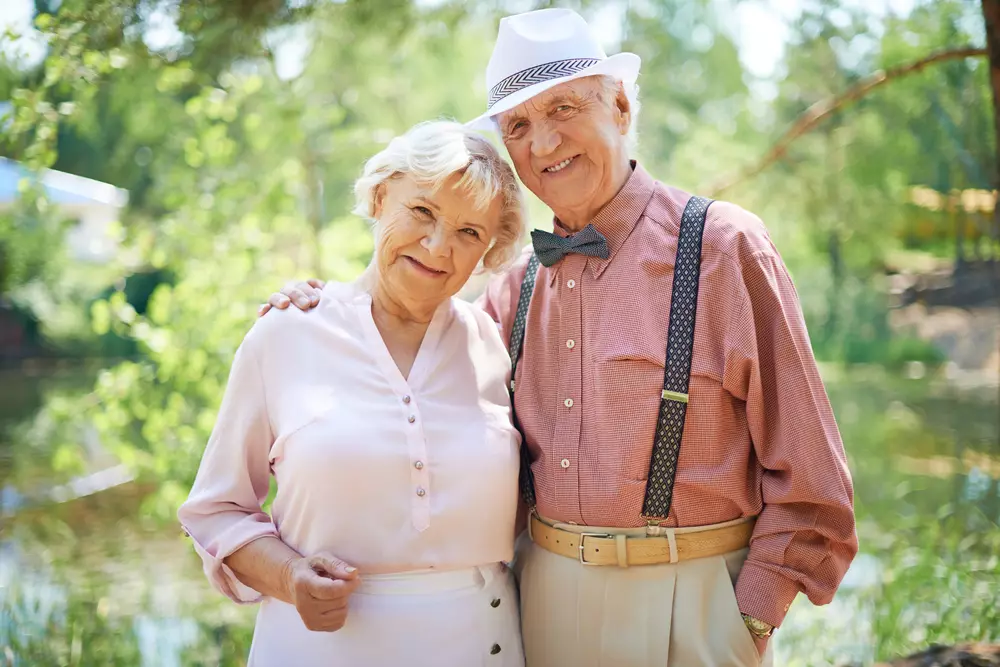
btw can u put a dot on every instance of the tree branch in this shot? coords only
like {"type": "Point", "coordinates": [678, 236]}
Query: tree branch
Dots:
{"type": "Point", "coordinates": [823, 109]}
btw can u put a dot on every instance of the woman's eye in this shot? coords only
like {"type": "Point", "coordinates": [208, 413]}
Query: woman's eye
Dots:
{"type": "Point", "coordinates": [563, 107]}
{"type": "Point", "coordinates": [422, 210]}
{"type": "Point", "coordinates": [471, 232]}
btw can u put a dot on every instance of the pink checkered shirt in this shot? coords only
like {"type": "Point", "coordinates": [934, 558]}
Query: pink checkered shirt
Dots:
{"type": "Point", "coordinates": [760, 436]}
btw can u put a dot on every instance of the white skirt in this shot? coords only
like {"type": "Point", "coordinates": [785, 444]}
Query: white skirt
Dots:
{"type": "Point", "coordinates": [462, 618]}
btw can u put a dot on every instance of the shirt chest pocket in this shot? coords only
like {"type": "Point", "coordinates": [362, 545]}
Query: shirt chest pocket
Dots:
{"type": "Point", "coordinates": [628, 379]}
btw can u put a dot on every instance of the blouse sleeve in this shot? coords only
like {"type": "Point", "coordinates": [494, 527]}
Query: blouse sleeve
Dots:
{"type": "Point", "coordinates": [223, 511]}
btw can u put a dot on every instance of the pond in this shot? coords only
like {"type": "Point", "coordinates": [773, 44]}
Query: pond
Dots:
{"type": "Point", "coordinates": [89, 581]}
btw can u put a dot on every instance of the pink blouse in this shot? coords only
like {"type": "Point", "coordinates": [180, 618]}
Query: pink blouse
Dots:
{"type": "Point", "coordinates": [391, 474]}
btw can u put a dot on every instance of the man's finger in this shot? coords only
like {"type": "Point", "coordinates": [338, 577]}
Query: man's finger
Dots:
{"type": "Point", "coordinates": [299, 298]}
{"type": "Point", "coordinates": [309, 291]}
{"type": "Point", "coordinates": [279, 301]}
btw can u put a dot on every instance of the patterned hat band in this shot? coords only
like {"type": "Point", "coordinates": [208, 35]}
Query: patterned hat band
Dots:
{"type": "Point", "coordinates": [538, 74]}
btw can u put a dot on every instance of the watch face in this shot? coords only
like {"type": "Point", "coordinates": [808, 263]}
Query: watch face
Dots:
{"type": "Point", "coordinates": [757, 626]}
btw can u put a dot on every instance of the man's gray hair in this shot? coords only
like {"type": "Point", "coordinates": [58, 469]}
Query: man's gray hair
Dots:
{"type": "Point", "coordinates": [609, 88]}
{"type": "Point", "coordinates": [610, 84]}
{"type": "Point", "coordinates": [434, 151]}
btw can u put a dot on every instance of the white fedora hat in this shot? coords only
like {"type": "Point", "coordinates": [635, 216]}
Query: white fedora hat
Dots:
{"type": "Point", "coordinates": [541, 49]}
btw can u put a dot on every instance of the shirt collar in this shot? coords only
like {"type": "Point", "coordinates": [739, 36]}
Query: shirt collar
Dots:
{"type": "Point", "coordinates": [617, 219]}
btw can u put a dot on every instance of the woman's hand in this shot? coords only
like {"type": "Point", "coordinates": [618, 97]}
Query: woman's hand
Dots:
{"type": "Point", "coordinates": [319, 586]}
{"type": "Point", "coordinates": [305, 296]}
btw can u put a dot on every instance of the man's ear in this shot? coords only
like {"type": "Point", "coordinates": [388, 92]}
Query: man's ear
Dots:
{"type": "Point", "coordinates": [623, 109]}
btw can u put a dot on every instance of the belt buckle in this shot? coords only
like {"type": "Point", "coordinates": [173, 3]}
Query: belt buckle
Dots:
{"type": "Point", "coordinates": [580, 547]}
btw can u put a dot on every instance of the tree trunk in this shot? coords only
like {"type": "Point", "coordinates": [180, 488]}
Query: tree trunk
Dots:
{"type": "Point", "coordinates": [991, 13]}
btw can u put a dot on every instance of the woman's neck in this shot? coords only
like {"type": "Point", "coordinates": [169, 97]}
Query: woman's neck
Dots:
{"type": "Point", "coordinates": [391, 309]}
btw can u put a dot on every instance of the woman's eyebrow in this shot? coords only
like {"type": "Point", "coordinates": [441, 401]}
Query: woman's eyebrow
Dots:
{"type": "Point", "coordinates": [427, 201]}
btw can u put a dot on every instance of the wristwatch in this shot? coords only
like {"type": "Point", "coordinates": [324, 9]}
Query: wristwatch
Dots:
{"type": "Point", "coordinates": [757, 628]}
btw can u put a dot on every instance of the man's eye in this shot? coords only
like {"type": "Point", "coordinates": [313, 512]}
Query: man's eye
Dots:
{"type": "Point", "coordinates": [563, 107]}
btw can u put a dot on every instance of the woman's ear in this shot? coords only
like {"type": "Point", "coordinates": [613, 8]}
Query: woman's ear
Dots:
{"type": "Point", "coordinates": [378, 199]}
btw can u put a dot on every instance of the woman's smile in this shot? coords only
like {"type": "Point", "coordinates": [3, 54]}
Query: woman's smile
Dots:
{"type": "Point", "coordinates": [422, 268]}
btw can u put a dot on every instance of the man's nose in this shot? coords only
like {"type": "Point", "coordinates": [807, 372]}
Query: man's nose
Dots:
{"type": "Point", "coordinates": [544, 139]}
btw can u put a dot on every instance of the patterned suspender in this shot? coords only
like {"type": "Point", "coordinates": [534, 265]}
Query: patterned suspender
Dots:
{"type": "Point", "coordinates": [526, 479]}
{"type": "Point", "coordinates": [680, 343]}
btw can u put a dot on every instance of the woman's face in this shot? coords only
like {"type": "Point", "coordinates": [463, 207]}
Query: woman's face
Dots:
{"type": "Point", "coordinates": [428, 243]}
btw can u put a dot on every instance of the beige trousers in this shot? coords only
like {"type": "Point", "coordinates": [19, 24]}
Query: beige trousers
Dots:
{"type": "Point", "coordinates": [671, 615]}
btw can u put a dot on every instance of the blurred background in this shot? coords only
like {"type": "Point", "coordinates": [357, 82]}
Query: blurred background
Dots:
{"type": "Point", "coordinates": [169, 163]}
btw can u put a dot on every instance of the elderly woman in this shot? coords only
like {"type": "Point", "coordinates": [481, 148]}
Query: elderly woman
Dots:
{"type": "Point", "coordinates": [385, 420]}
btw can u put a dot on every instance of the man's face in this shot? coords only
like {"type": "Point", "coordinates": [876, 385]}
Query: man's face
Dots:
{"type": "Point", "coordinates": [567, 142]}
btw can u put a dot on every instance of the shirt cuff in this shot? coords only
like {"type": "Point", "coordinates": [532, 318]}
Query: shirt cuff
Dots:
{"type": "Point", "coordinates": [763, 594]}
{"type": "Point", "coordinates": [221, 576]}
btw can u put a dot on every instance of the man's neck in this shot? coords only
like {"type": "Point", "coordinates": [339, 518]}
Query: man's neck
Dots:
{"type": "Point", "coordinates": [578, 217]}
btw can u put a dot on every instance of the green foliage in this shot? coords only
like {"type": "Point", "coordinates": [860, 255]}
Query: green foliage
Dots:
{"type": "Point", "coordinates": [240, 172]}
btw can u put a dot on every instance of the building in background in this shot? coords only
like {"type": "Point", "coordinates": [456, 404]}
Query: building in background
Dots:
{"type": "Point", "coordinates": [91, 206]}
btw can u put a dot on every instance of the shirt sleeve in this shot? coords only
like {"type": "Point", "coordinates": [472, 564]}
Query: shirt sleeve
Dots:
{"type": "Point", "coordinates": [223, 511]}
{"type": "Point", "coordinates": [805, 536]}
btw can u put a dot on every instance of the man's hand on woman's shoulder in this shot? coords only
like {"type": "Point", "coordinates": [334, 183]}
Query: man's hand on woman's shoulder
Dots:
{"type": "Point", "coordinates": [304, 294]}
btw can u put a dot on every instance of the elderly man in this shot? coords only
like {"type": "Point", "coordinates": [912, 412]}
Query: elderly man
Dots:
{"type": "Point", "coordinates": [682, 469]}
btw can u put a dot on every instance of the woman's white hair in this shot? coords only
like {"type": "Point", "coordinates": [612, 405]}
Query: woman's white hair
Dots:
{"type": "Point", "coordinates": [434, 151]}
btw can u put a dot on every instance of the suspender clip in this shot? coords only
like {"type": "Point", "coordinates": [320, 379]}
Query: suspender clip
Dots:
{"type": "Point", "coordinates": [668, 395]}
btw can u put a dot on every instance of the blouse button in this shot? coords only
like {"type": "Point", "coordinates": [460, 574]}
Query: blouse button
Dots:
{"type": "Point", "coordinates": [571, 343]}
{"type": "Point", "coordinates": [571, 284]}
{"type": "Point", "coordinates": [495, 603]}
{"type": "Point", "coordinates": [406, 399]}
{"type": "Point", "coordinates": [419, 465]}
{"type": "Point", "coordinates": [564, 463]}
{"type": "Point", "coordinates": [568, 402]}
{"type": "Point", "coordinates": [495, 649]}
{"type": "Point", "coordinates": [421, 492]}
{"type": "Point", "coordinates": [411, 419]}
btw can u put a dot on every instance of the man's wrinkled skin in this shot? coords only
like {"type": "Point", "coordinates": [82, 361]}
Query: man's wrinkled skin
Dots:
{"type": "Point", "coordinates": [584, 121]}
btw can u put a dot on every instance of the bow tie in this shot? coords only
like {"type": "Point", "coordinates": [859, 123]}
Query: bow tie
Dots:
{"type": "Point", "coordinates": [551, 248]}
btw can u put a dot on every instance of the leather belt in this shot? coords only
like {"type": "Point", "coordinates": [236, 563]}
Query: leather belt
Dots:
{"type": "Point", "coordinates": [595, 548]}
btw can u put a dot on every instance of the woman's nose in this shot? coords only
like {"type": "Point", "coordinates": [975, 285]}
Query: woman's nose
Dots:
{"type": "Point", "coordinates": [436, 242]}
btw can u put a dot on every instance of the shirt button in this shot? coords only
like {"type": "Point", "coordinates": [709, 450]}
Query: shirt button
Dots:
{"type": "Point", "coordinates": [564, 463]}
{"type": "Point", "coordinates": [406, 399]}
{"type": "Point", "coordinates": [568, 402]}
{"type": "Point", "coordinates": [421, 492]}
{"type": "Point", "coordinates": [411, 419]}
{"type": "Point", "coordinates": [419, 465]}
{"type": "Point", "coordinates": [571, 284]}
{"type": "Point", "coordinates": [571, 343]}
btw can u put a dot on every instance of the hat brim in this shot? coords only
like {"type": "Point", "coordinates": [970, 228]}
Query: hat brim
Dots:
{"type": "Point", "coordinates": [623, 66]}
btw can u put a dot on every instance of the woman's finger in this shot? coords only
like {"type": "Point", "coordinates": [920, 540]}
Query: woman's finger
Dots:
{"type": "Point", "coordinates": [332, 566]}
